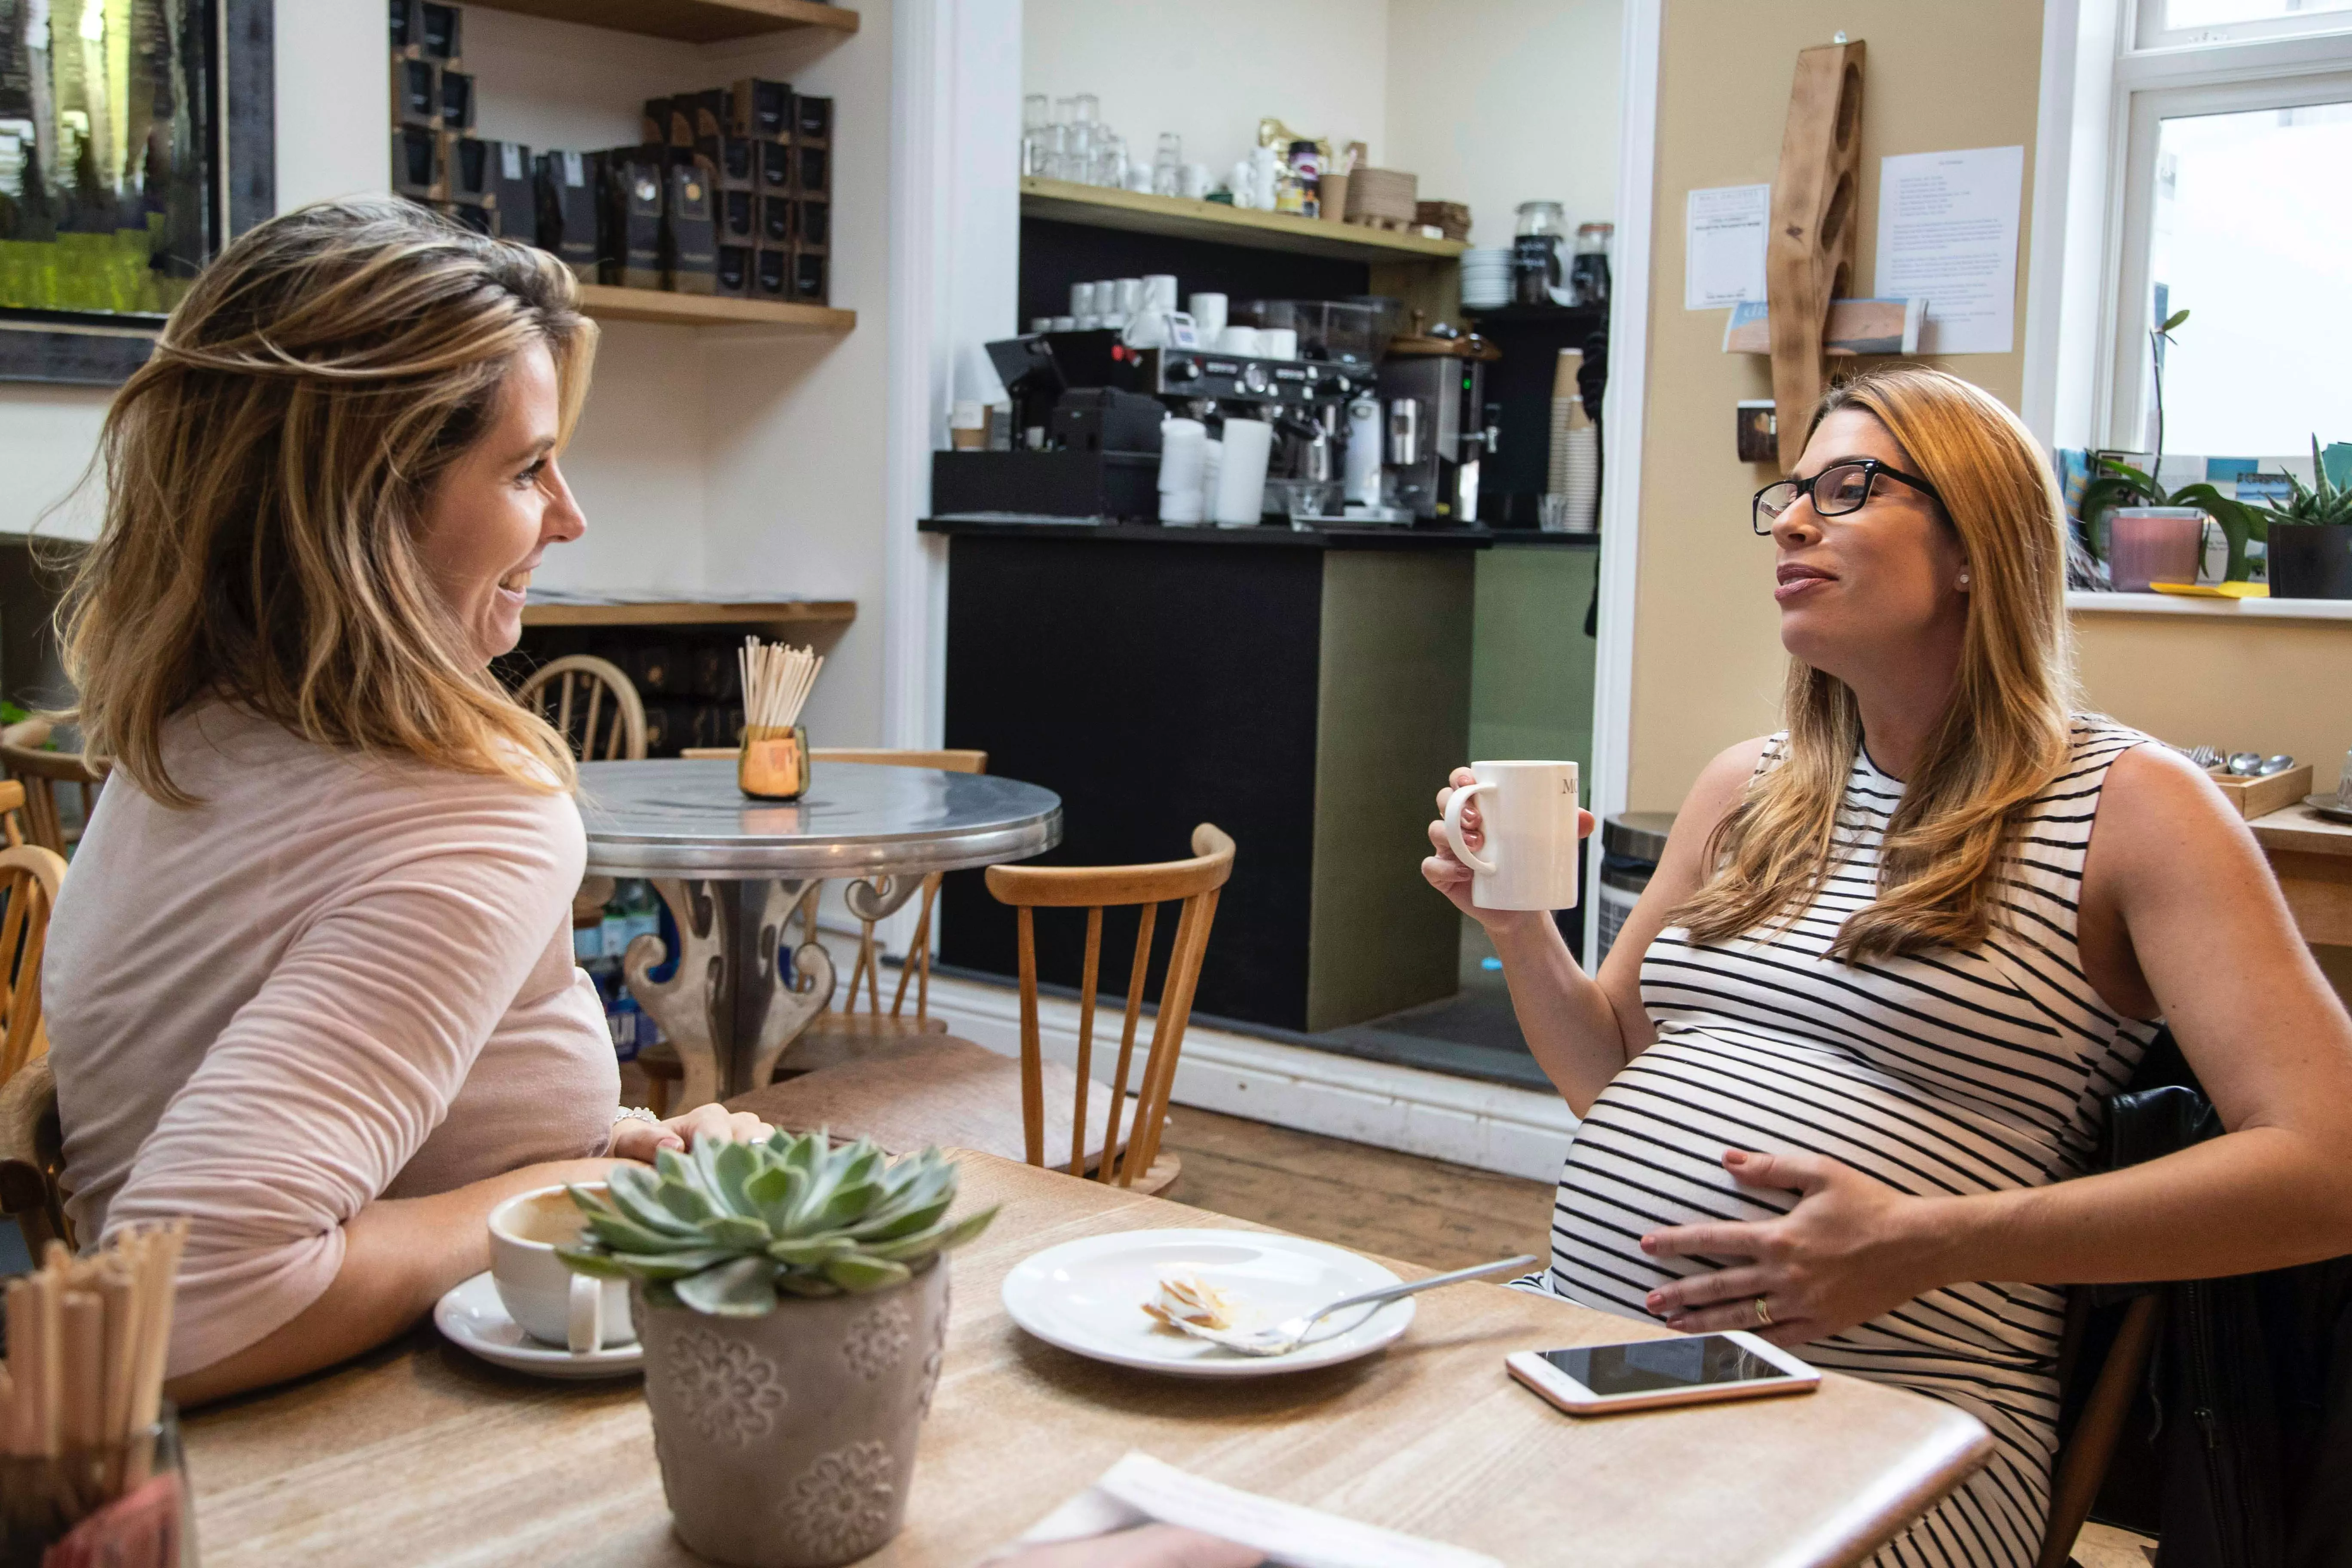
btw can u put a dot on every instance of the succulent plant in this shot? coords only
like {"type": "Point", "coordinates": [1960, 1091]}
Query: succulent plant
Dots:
{"type": "Point", "coordinates": [2325, 502]}
{"type": "Point", "coordinates": [727, 1228]}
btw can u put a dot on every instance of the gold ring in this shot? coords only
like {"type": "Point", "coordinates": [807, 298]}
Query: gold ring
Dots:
{"type": "Point", "coordinates": [1763, 1312]}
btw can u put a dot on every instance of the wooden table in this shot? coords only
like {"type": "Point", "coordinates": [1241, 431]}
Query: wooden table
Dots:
{"type": "Point", "coordinates": [2312, 857]}
{"type": "Point", "coordinates": [421, 1453]}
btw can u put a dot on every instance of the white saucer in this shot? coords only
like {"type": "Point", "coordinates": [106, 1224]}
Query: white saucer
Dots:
{"type": "Point", "coordinates": [1088, 1296]}
{"type": "Point", "coordinates": [474, 1318]}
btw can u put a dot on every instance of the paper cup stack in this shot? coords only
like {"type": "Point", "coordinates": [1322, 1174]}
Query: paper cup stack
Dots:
{"type": "Point", "coordinates": [1487, 278]}
{"type": "Point", "coordinates": [1572, 499]}
{"type": "Point", "coordinates": [1184, 459]}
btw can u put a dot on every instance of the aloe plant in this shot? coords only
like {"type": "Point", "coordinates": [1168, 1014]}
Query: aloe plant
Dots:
{"type": "Point", "coordinates": [725, 1228]}
{"type": "Point", "coordinates": [2327, 502]}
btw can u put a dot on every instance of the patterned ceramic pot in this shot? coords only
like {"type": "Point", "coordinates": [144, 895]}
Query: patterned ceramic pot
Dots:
{"type": "Point", "coordinates": [787, 1441]}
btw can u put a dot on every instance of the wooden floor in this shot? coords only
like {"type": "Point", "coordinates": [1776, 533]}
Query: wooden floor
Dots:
{"type": "Point", "coordinates": [1352, 1196]}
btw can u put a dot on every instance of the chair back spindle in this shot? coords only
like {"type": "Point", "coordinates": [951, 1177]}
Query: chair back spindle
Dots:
{"type": "Point", "coordinates": [591, 703]}
{"type": "Point", "coordinates": [1197, 883]}
{"type": "Point", "coordinates": [39, 771]}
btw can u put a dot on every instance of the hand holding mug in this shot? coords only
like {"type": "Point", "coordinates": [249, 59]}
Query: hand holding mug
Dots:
{"type": "Point", "coordinates": [1507, 841]}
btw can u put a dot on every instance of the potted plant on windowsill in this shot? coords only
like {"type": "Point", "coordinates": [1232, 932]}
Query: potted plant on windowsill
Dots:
{"type": "Point", "coordinates": [2311, 538]}
{"type": "Point", "coordinates": [2129, 492]}
{"type": "Point", "coordinates": [792, 1303]}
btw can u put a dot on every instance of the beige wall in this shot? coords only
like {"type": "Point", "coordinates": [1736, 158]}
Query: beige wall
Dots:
{"type": "Point", "coordinates": [1506, 101]}
{"type": "Point", "coordinates": [1209, 70]}
{"type": "Point", "coordinates": [2266, 686]}
{"type": "Point", "coordinates": [1707, 656]}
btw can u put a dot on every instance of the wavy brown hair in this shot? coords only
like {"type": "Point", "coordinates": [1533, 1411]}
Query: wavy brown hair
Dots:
{"type": "Point", "coordinates": [267, 474]}
{"type": "Point", "coordinates": [2002, 738]}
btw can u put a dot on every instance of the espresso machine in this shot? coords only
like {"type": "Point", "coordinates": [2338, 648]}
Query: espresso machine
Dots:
{"type": "Point", "coordinates": [1438, 427]}
{"type": "Point", "coordinates": [1087, 408]}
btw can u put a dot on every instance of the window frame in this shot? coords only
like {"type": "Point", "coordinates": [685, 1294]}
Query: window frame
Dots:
{"type": "Point", "coordinates": [2225, 70]}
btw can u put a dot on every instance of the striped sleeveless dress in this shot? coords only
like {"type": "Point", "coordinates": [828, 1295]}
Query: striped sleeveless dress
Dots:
{"type": "Point", "coordinates": [1938, 1073]}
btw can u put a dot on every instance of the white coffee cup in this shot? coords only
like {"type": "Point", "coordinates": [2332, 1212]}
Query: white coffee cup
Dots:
{"type": "Point", "coordinates": [1209, 313]}
{"type": "Point", "coordinates": [1529, 815]}
{"type": "Point", "coordinates": [1239, 341]}
{"type": "Point", "coordinates": [553, 1304]}
{"type": "Point", "coordinates": [1277, 343]}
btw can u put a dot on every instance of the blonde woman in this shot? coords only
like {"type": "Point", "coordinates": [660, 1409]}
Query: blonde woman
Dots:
{"type": "Point", "coordinates": [311, 981]}
{"type": "Point", "coordinates": [1861, 1027]}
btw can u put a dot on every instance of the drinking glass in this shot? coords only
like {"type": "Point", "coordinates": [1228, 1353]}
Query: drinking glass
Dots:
{"type": "Point", "coordinates": [1036, 122]}
{"type": "Point", "coordinates": [1168, 165]}
{"type": "Point", "coordinates": [1088, 109]}
{"type": "Point", "coordinates": [1110, 159]}
{"type": "Point", "coordinates": [125, 1502]}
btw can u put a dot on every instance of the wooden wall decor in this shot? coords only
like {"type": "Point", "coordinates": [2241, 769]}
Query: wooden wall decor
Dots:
{"type": "Point", "coordinates": [1808, 256]}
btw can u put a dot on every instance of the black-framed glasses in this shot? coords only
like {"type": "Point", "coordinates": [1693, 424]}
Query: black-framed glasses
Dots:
{"type": "Point", "coordinates": [1836, 490]}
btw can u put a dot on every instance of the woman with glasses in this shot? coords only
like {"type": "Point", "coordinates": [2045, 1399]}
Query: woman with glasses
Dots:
{"type": "Point", "coordinates": [1859, 1032]}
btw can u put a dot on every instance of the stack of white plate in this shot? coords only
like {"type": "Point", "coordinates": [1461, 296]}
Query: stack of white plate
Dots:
{"type": "Point", "coordinates": [1487, 278]}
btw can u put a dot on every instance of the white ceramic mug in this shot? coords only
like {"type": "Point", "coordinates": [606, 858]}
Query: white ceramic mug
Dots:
{"type": "Point", "coordinates": [1209, 314]}
{"type": "Point", "coordinates": [1529, 815]}
{"type": "Point", "coordinates": [552, 1303]}
{"type": "Point", "coordinates": [1277, 343]}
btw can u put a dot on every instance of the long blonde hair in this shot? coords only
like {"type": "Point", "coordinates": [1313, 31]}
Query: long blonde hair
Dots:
{"type": "Point", "coordinates": [267, 473]}
{"type": "Point", "coordinates": [2001, 739]}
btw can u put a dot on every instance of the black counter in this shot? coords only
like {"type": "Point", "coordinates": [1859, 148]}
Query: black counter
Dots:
{"type": "Point", "coordinates": [1273, 535]}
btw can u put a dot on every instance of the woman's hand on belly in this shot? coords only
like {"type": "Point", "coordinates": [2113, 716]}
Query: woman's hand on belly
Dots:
{"type": "Point", "coordinates": [1852, 1250]}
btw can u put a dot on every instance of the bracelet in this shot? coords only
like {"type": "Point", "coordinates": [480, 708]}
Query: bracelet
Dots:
{"type": "Point", "coordinates": [635, 1114]}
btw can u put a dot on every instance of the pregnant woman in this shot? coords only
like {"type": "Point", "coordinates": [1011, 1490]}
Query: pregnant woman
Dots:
{"type": "Point", "coordinates": [1858, 1033]}
{"type": "Point", "coordinates": [310, 980]}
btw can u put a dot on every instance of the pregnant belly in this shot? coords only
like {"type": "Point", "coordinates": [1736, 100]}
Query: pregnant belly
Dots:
{"type": "Point", "coordinates": [1649, 1155]}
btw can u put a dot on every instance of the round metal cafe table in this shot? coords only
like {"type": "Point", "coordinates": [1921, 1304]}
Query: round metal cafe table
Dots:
{"type": "Point", "coordinates": [732, 870]}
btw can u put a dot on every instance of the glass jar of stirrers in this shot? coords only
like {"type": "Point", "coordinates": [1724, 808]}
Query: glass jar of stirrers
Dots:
{"type": "Point", "coordinates": [125, 1502]}
{"type": "Point", "coordinates": [774, 762]}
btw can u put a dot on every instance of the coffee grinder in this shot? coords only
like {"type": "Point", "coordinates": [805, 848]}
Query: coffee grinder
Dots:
{"type": "Point", "coordinates": [1437, 429]}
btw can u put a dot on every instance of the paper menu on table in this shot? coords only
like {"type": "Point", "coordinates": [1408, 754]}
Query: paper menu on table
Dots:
{"type": "Point", "coordinates": [1947, 229]}
{"type": "Point", "coordinates": [1723, 259]}
{"type": "Point", "coordinates": [1141, 1491]}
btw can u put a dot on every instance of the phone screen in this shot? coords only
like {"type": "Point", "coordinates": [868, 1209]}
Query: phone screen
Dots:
{"type": "Point", "coordinates": [1651, 1366]}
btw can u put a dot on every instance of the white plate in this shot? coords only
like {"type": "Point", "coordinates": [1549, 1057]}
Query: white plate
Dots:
{"type": "Point", "coordinates": [1088, 1296]}
{"type": "Point", "coordinates": [473, 1316]}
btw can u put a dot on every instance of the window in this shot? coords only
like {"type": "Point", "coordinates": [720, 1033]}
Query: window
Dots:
{"type": "Point", "coordinates": [2236, 127]}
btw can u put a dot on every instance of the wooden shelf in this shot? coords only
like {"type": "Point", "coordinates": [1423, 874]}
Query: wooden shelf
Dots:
{"type": "Point", "coordinates": [607, 303]}
{"type": "Point", "coordinates": [1100, 206]}
{"type": "Point", "coordinates": [690, 21]}
{"type": "Point", "coordinates": [694, 613]}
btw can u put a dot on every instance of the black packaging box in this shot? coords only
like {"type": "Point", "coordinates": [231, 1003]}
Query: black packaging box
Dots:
{"type": "Point", "coordinates": [457, 101]}
{"type": "Point", "coordinates": [440, 32]}
{"type": "Point", "coordinates": [569, 196]}
{"type": "Point", "coordinates": [813, 120]}
{"type": "Point", "coordinates": [468, 163]}
{"type": "Point", "coordinates": [772, 275]}
{"type": "Point", "coordinates": [739, 218]}
{"type": "Point", "coordinates": [472, 215]}
{"type": "Point", "coordinates": [1106, 419]}
{"type": "Point", "coordinates": [811, 275]}
{"type": "Point", "coordinates": [407, 29]}
{"type": "Point", "coordinates": [708, 113]}
{"type": "Point", "coordinates": [657, 669]}
{"type": "Point", "coordinates": [813, 224]}
{"type": "Point", "coordinates": [738, 271]}
{"type": "Point", "coordinates": [416, 168]}
{"type": "Point", "coordinates": [811, 172]}
{"type": "Point", "coordinates": [1124, 485]}
{"type": "Point", "coordinates": [760, 110]}
{"type": "Point", "coordinates": [734, 162]}
{"type": "Point", "coordinates": [653, 120]}
{"type": "Point", "coordinates": [689, 231]}
{"type": "Point", "coordinates": [775, 167]}
{"type": "Point", "coordinates": [629, 230]}
{"type": "Point", "coordinates": [717, 674]}
{"type": "Point", "coordinates": [776, 222]}
{"type": "Point", "coordinates": [718, 724]}
{"type": "Point", "coordinates": [511, 189]}
{"type": "Point", "coordinates": [669, 122]}
{"type": "Point", "coordinates": [417, 94]}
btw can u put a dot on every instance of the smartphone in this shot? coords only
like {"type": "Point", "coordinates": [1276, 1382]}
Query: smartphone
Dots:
{"type": "Point", "coordinates": [1599, 1380]}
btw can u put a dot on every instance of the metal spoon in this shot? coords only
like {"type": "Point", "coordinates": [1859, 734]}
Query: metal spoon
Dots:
{"type": "Point", "coordinates": [1286, 1335]}
{"type": "Point", "coordinates": [2277, 764]}
{"type": "Point", "coordinates": [2244, 764]}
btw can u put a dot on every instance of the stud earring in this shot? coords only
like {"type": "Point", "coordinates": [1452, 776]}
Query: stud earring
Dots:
{"type": "Point", "coordinates": [1964, 579]}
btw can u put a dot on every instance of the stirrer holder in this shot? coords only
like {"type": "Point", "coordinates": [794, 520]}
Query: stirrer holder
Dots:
{"type": "Point", "coordinates": [774, 762]}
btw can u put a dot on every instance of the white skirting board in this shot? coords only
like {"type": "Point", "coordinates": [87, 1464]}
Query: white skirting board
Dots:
{"type": "Point", "coordinates": [1489, 1126]}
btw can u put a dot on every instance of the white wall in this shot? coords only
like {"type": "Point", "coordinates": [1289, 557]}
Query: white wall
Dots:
{"type": "Point", "coordinates": [1503, 102]}
{"type": "Point", "coordinates": [1209, 70]}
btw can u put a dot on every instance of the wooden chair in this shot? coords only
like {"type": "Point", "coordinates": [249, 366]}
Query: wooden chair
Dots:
{"type": "Point", "coordinates": [31, 1154]}
{"type": "Point", "coordinates": [39, 773]}
{"type": "Point", "coordinates": [836, 1034]}
{"type": "Point", "coordinates": [610, 720]}
{"type": "Point", "coordinates": [12, 812]}
{"type": "Point", "coordinates": [925, 1088]}
{"type": "Point", "coordinates": [2085, 1455]}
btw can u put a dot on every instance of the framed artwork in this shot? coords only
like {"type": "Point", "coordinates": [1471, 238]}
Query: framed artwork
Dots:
{"type": "Point", "coordinates": [135, 136]}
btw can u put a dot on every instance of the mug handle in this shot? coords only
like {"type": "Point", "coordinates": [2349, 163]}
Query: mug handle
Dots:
{"type": "Point", "coordinates": [1454, 804]}
{"type": "Point", "coordinates": [585, 1327]}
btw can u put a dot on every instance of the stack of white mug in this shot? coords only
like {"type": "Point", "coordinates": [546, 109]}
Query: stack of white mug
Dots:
{"type": "Point", "coordinates": [1205, 481]}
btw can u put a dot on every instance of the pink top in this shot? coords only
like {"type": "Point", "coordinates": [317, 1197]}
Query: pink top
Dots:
{"type": "Point", "coordinates": [338, 978]}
